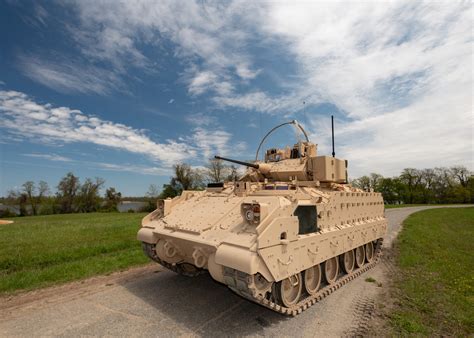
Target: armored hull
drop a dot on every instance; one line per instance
(280, 237)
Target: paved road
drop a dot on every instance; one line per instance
(151, 301)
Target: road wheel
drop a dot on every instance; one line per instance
(359, 256)
(369, 252)
(348, 261)
(312, 279)
(331, 270)
(288, 291)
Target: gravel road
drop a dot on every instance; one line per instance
(151, 301)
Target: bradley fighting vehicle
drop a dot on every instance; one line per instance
(287, 234)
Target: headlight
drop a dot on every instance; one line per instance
(251, 212)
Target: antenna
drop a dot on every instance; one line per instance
(332, 129)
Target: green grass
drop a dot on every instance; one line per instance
(435, 285)
(40, 251)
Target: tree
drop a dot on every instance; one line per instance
(411, 178)
(216, 170)
(29, 190)
(461, 174)
(35, 196)
(362, 183)
(233, 174)
(374, 181)
(67, 191)
(390, 189)
(186, 178)
(428, 179)
(153, 191)
(22, 200)
(89, 199)
(112, 199)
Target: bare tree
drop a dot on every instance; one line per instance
(43, 189)
(35, 195)
(29, 189)
(153, 191)
(461, 174)
(233, 174)
(216, 170)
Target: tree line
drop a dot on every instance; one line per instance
(422, 186)
(71, 196)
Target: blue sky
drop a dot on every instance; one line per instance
(124, 91)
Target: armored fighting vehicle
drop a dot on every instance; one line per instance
(288, 233)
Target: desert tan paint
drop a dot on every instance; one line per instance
(208, 230)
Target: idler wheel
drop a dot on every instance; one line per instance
(359, 256)
(312, 279)
(348, 261)
(369, 252)
(288, 291)
(331, 269)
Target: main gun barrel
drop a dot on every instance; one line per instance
(252, 165)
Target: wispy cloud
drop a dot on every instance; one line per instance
(123, 167)
(51, 157)
(131, 168)
(69, 76)
(24, 117)
(212, 35)
(201, 119)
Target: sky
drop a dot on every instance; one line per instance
(125, 90)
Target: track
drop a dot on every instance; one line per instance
(151, 301)
(241, 288)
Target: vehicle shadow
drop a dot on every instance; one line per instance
(202, 306)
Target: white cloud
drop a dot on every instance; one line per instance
(245, 72)
(69, 76)
(123, 167)
(51, 157)
(26, 118)
(200, 119)
(400, 72)
(135, 169)
(215, 142)
(201, 81)
(170, 101)
(213, 34)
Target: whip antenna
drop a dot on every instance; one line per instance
(332, 133)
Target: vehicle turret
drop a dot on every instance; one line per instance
(299, 163)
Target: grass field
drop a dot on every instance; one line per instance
(40, 251)
(435, 286)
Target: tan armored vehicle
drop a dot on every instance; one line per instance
(287, 234)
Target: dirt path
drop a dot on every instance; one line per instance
(150, 301)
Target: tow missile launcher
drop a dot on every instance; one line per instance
(287, 234)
